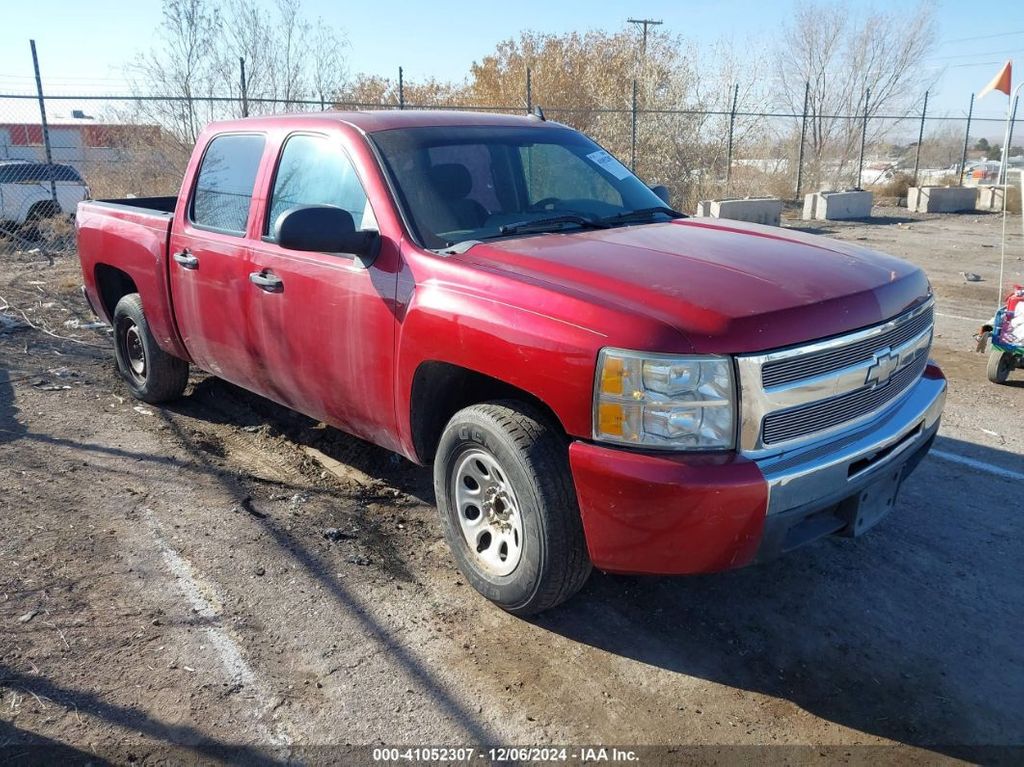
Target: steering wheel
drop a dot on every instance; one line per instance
(545, 203)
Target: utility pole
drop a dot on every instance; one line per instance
(645, 23)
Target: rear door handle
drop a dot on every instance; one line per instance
(186, 259)
(266, 281)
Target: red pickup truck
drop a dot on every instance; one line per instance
(597, 379)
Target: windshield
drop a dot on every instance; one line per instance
(474, 183)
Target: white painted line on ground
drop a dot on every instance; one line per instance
(205, 601)
(960, 317)
(979, 465)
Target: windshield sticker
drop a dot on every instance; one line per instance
(609, 164)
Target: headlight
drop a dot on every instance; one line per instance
(664, 400)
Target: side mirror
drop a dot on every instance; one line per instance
(662, 191)
(325, 229)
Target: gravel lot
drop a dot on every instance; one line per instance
(224, 573)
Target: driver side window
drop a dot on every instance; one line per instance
(313, 170)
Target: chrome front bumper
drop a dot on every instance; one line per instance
(814, 490)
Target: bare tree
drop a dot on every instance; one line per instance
(180, 64)
(329, 72)
(843, 58)
(195, 62)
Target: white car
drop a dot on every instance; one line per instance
(26, 195)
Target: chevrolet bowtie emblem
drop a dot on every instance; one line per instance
(882, 367)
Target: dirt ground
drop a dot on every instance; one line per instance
(224, 579)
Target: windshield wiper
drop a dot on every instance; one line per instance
(641, 215)
(543, 224)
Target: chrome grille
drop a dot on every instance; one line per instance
(789, 397)
(785, 371)
(784, 425)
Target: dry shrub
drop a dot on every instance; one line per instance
(145, 167)
(897, 186)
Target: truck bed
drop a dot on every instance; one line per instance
(148, 204)
(130, 236)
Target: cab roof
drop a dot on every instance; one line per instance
(389, 119)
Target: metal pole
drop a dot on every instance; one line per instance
(732, 123)
(803, 138)
(920, 138)
(529, 92)
(1006, 141)
(967, 138)
(1009, 140)
(863, 138)
(632, 163)
(46, 127)
(401, 89)
(245, 90)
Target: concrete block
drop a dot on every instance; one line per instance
(757, 210)
(837, 206)
(941, 199)
(990, 198)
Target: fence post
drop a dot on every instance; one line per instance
(632, 163)
(46, 127)
(732, 123)
(401, 89)
(529, 92)
(245, 90)
(863, 138)
(803, 139)
(967, 138)
(920, 138)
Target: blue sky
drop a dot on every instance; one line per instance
(83, 45)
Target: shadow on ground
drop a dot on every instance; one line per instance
(908, 633)
(878, 634)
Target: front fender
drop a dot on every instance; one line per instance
(517, 332)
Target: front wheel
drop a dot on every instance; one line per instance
(152, 374)
(508, 507)
(1000, 364)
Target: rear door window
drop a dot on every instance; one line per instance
(225, 183)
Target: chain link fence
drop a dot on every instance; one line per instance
(118, 146)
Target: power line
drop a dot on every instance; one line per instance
(986, 37)
(1005, 51)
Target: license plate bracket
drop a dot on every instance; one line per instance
(865, 509)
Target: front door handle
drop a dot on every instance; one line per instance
(186, 259)
(266, 281)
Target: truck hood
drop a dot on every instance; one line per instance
(729, 287)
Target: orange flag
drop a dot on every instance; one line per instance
(1000, 82)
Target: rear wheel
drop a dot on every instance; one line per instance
(1000, 364)
(508, 507)
(152, 374)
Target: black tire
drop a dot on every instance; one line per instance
(1000, 364)
(152, 374)
(42, 211)
(552, 563)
